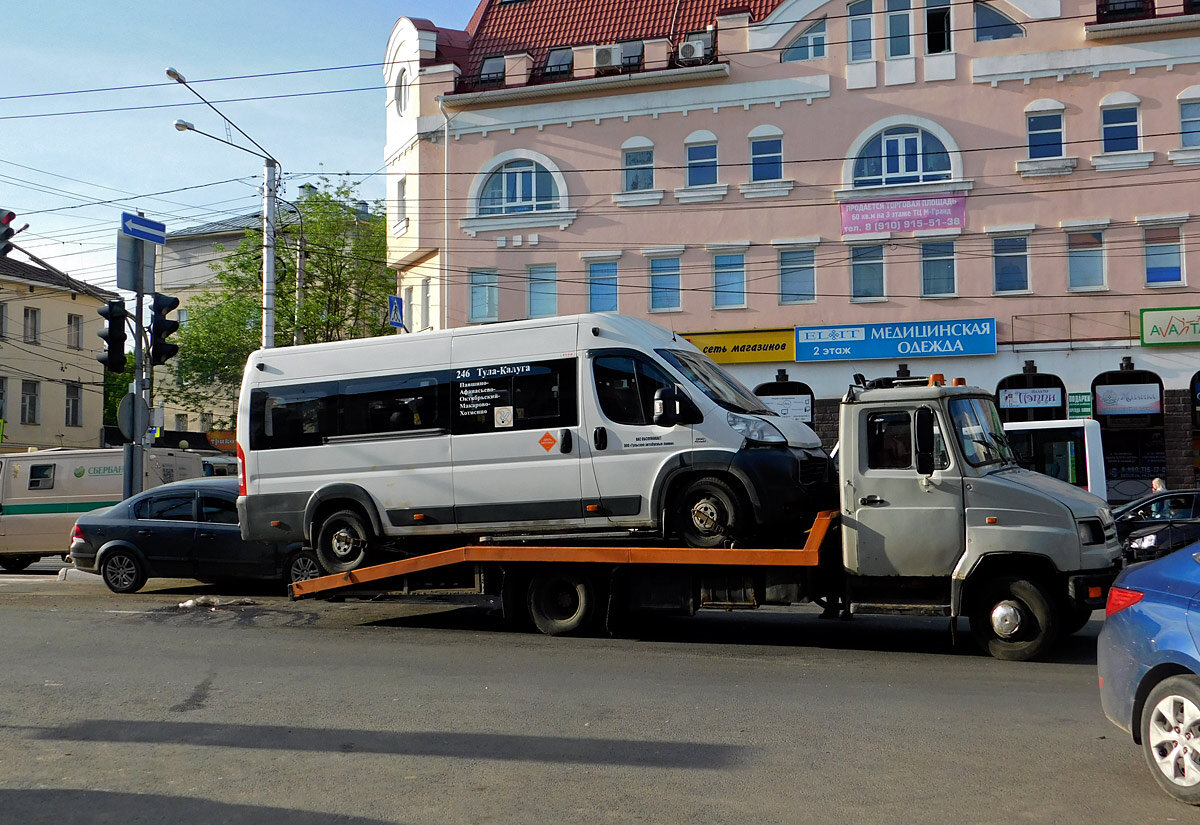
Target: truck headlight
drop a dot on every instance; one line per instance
(755, 429)
(1090, 531)
(1144, 542)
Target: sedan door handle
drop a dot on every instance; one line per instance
(205, 535)
(600, 438)
(144, 532)
(871, 500)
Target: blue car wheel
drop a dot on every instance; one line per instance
(1170, 731)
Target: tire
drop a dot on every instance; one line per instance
(343, 542)
(710, 514)
(122, 571)
(560, 602)
(302, 566)
(1036, 626)
(15, 564)
(1074, 619)
(1170, 733)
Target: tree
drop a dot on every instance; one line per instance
(116, 387)
(346, 284)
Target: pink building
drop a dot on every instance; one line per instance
(997, 190)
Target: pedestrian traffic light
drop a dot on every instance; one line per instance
(161, 327)
(113, 357)
(7, 217)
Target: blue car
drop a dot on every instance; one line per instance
(1148, 664)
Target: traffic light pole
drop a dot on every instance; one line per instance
(141, 426)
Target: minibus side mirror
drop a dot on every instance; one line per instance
(666, 407)
(924, 432)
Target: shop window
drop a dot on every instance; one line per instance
(1128, 404)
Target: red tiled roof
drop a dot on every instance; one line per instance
(536, 26)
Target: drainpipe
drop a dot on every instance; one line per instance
(445, 256)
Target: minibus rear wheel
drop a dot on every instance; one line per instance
(343, 542)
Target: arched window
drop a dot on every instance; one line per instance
(518, 186)
(402, 92)
(810, 45)
(994, 25)
(899, 155)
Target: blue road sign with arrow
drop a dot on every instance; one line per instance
(143, 228)
(396, 311)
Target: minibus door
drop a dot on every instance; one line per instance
(627, 448)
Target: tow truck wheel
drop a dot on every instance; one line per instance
(1014, 619)
(15, 564)
(560, 602)
(342, 542)
(709, 513)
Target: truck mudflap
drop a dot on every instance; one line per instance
(1091, 589)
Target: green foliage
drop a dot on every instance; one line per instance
(346, 284)
(116, 387)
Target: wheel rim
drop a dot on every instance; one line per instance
(1173, 735)
(121, 571)
(1007, 618)
(305, 568)
(559, 600)
(345, 542)
(708, 516)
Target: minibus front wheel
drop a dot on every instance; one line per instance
(343, 541)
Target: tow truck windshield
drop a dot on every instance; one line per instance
(980, 432)
(714, 382)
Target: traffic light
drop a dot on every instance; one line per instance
(7, 217)
(161, 350)
(113, 358)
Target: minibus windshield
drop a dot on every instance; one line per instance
(714, 382)
(980, 431)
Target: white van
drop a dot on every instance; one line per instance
(43, 491)
(1069, 449)
(555, 425)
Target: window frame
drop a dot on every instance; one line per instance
(939, 10)
(31, 326)
(934, 252)
(998, 256)
(665, 279)
(485, 282)
(599, 286)
(860, 262)
(893, 149)
(860, 31)
(774, 158)
(73, 408)
(1109, 132)
(31, 392)
(791, 268)
(74, 331)
(1080, 256)
(810, 41)
(698, 165)
(1189, 138)
(519, 183)
(630, 171)
(1030, 132)
(898, 12)
(725, 265)
(544, 288)
(1177, 244)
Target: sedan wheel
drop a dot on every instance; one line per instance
(303, 566)
(122, 572)
(1170, 729)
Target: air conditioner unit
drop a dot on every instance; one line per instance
(608, 57)
(691, 51)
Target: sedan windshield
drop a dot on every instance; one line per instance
(980, 431)
(714, 382)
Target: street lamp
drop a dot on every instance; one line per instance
(270, 165)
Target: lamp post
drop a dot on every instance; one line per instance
(270, 166)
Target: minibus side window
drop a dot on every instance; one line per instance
(535, 395)
(625, 388)
(392, 404)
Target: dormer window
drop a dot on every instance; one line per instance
(559, 62)
(492, 70)
(631, 55)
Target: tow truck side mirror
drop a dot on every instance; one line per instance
(924, 433)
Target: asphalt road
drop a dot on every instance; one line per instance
(130, 709)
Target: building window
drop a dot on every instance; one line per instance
(937, 268)
(866, 272)
(632, 52)
(937, 27)
(729, 281)
(518, 186)
(1010, 264)
(206, 421)
(543, 291)
(602, 286)
(664, 284)
(639, 169)
(1045, 132)
(797, 277)
(1085, 260)
(492, 70)
(766, 159)
(559, 63)
(702, 164)
(74, 410)
(75, 331)
(993, 25)
(899, 28)
(29, 402)
(903, 154)
(862, 34)
(1119, 129)
(1163, 259)
(402, 92)
(484, 296)
(810, 45)
(1189, 122)
(32, 333)
(3, 320)
(182, 315)
(401, 200)
(3, 398)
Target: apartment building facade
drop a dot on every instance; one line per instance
(997, 190)
(51, 385)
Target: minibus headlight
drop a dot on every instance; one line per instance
(755, 429)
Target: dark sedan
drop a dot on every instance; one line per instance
(1158, 524)
(188, 529)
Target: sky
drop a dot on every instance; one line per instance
(59, 157)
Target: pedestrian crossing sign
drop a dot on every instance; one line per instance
(396, 310)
